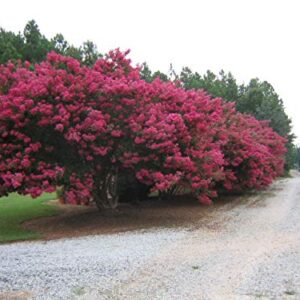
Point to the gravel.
(64, 268)
(249, 251)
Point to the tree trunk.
(107, 196)
(169, 193)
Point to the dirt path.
(249, 252)
(245, 251)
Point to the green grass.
(15, 209)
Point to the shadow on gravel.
(79, 221)
(154, 213)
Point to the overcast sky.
(250, 38)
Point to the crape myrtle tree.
(92, 130)
(253, 153)
(257, 98)
(64, 125)
(78, 127)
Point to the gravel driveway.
(250, 251)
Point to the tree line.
(31, 45)
(257, 98)
(100, 128)
(102, 131)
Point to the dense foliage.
(257, 98)
(297, 157)
(33, 46)
(86, 129)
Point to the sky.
(250, 38)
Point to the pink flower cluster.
(62, 124)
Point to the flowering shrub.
(254, 153)
(62, 124)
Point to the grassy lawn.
(16, 209)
